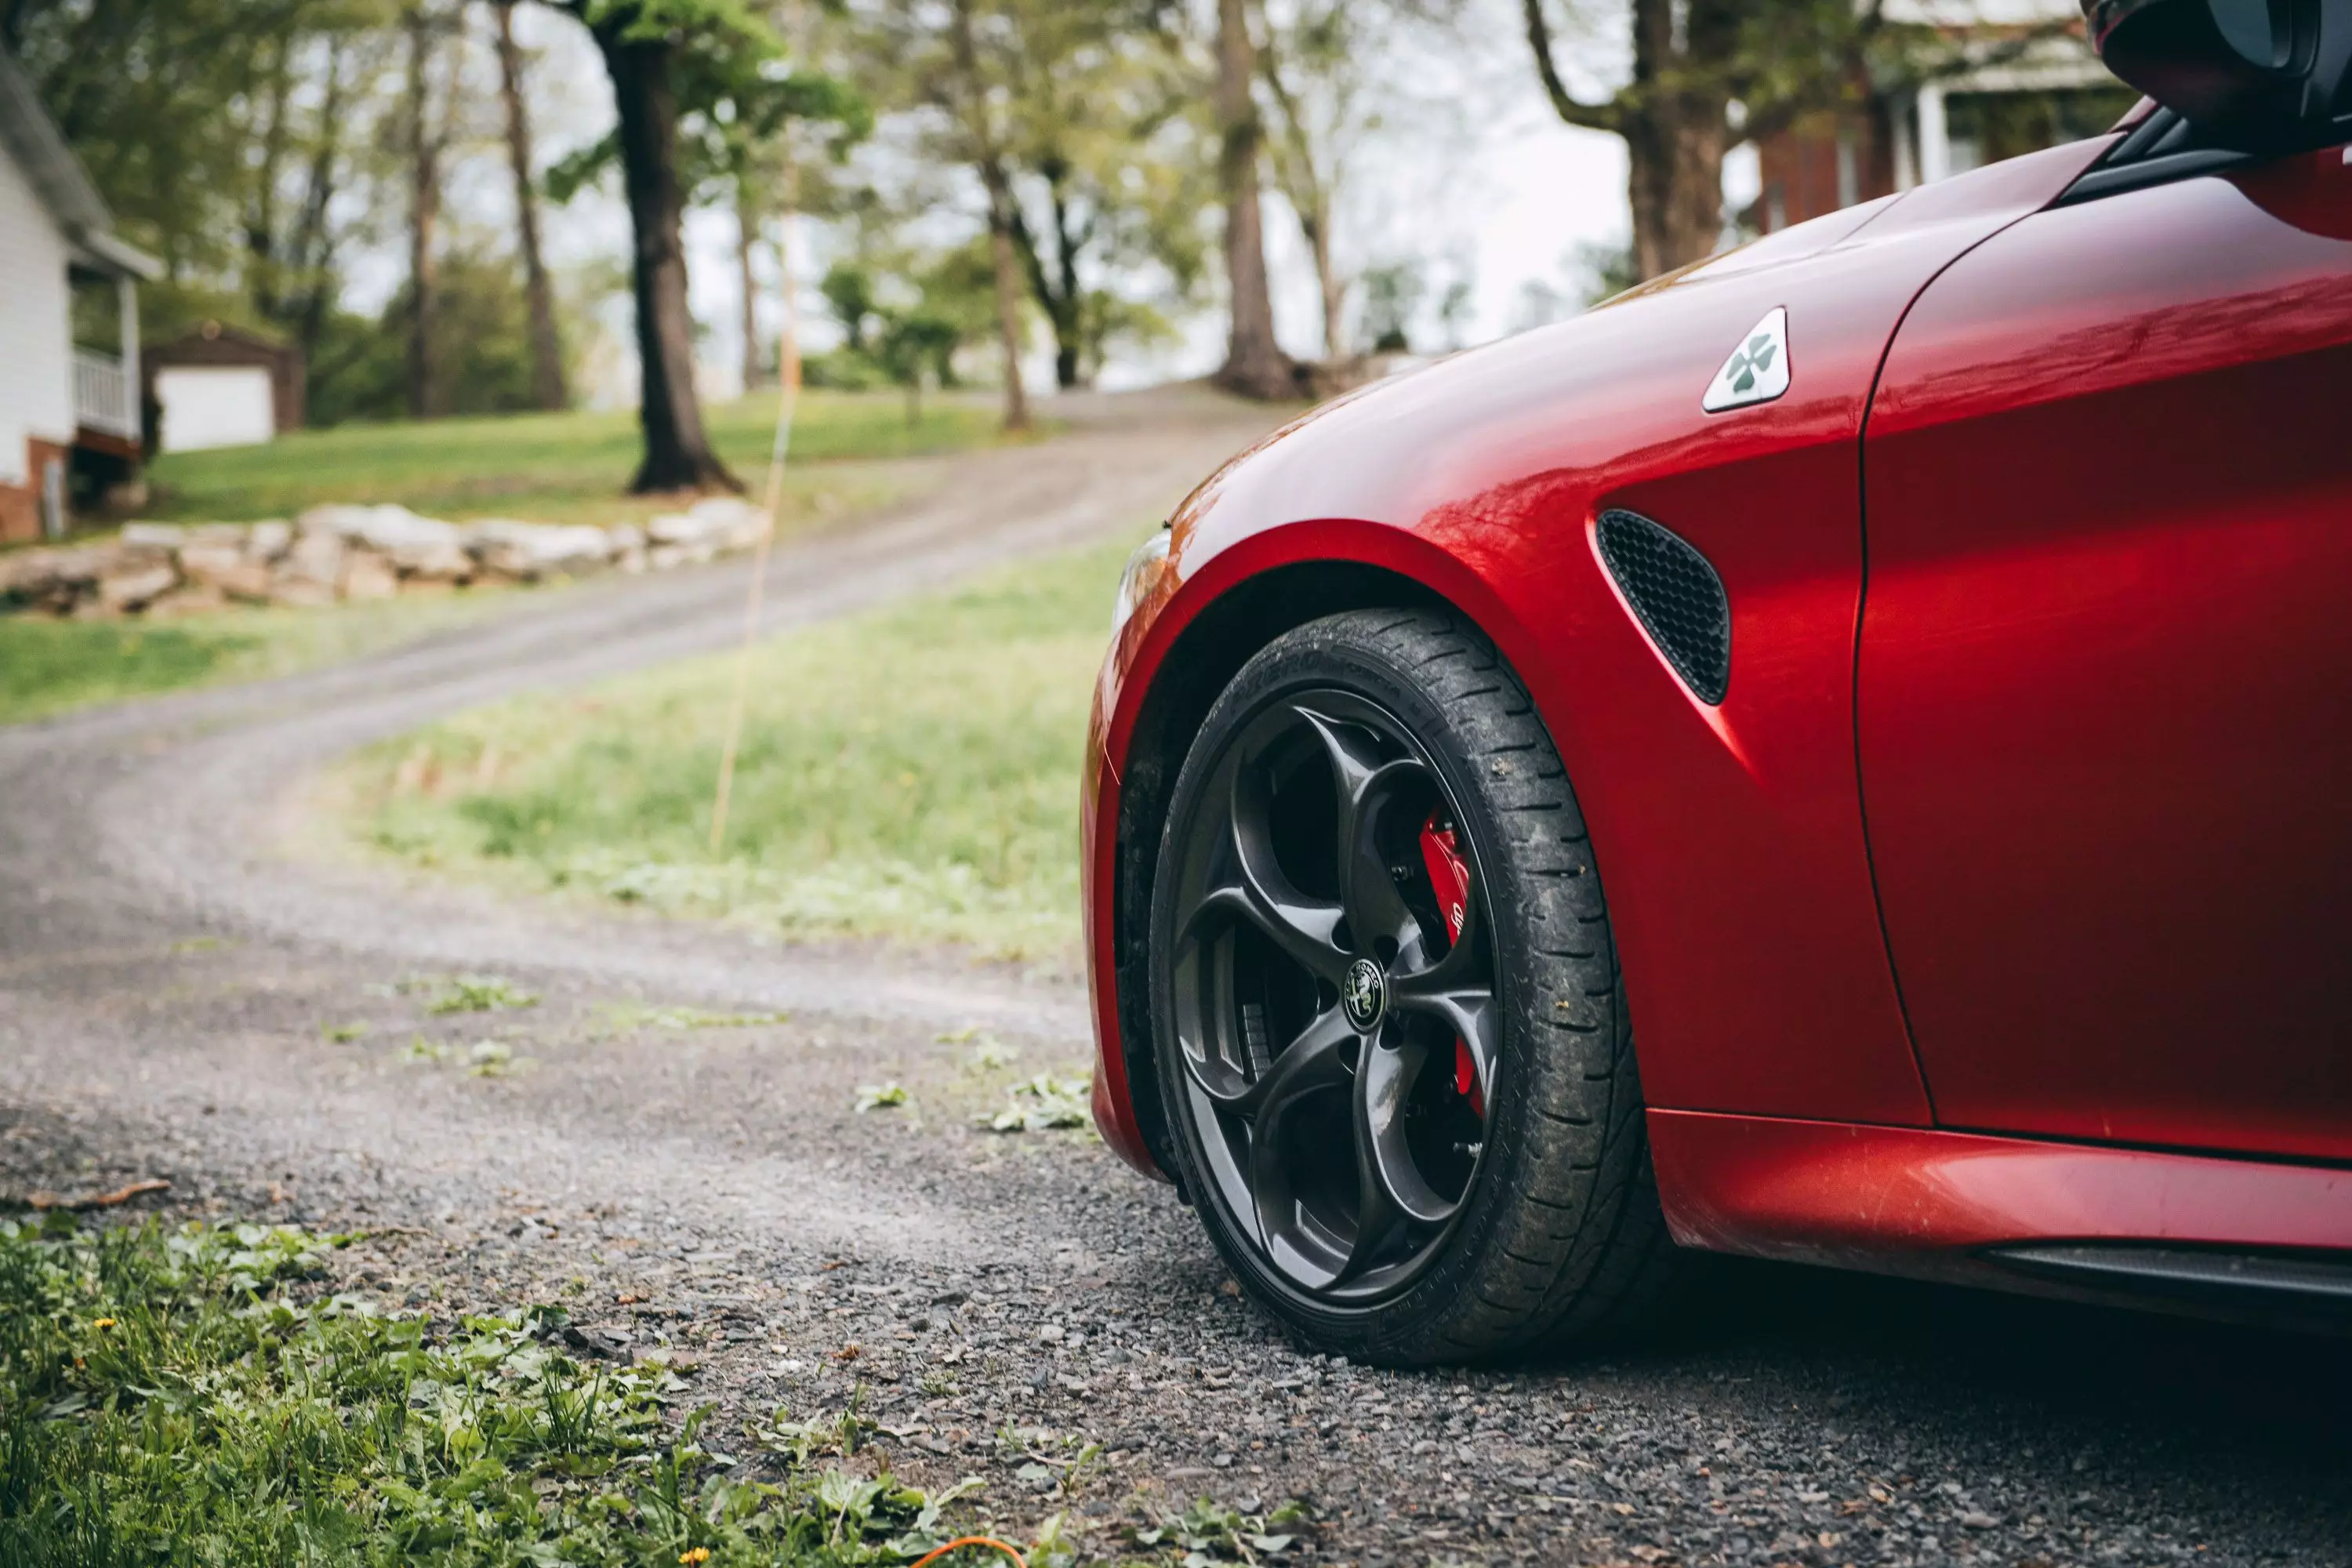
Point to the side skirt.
(2190, 1231)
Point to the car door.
(2105, 686)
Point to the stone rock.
(319, 556)
(269, 540)
(127, 588)
(416, 546)
(446, 563)
(301, 593)
(627, 543)
(710, 525)
(225, 567)
(310, 571)
(529, 552)
(153, 536)
(368, 575)
(188, 599)
(45, 576)
(383, 528)
(740, 522)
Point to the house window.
(1985, 126)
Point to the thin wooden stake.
(788, 399)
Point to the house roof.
(32, 138)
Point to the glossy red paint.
(1920, 1201)
(2085, 668)
(1713, 827)
(2105, 666)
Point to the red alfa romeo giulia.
(1844, 754)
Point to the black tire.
(1554, 1230)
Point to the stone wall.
(333, 554)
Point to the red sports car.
(1844, 754)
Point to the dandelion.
(696, 1555)
(103, 1323)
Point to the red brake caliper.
(1449, 874)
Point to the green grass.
(912, 773)
(560, 467)
(49, 667)
(196, 1396)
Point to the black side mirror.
(2260, 75)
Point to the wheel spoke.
(1253, 888)
(1307, 1063)
(1464, 1009)
(1313, 1062)
(1366, 782)
(1393, 1186)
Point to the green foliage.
(906, 773)
(51, 667)
(192, 1397)
(627, 1017)
(1043, 1103)
(158, 101)
(1209, 1532)
(905, 316)
(482, 353)
(1392, 297)
(549, 468)
(1088, 121)
(479, 994)
(736, 94)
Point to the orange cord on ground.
(965, 1541)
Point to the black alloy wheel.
(1344, 978)
(1320, 1029)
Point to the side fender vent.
(1677, 596)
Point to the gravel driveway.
(183, 995)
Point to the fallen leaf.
(114, 1199)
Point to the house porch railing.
(105, 396)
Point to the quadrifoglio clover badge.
(1758, 370)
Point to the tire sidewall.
(1413, 1326)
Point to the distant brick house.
(61, 405)
(2018, 84)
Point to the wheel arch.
(1228, 623)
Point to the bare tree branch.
(1571, 110)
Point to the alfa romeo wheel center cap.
(1364, 994)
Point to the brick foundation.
(20, 505)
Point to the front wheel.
(1391, 1035)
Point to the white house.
(56, 237)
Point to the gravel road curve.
(174, 979)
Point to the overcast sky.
(1479, 178)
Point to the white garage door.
(214, 405)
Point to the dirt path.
(171, 981)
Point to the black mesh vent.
(1678, 597)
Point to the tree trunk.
(677, 450)
(1069, 321)
(547, 390)
(1064, 309)
(1676, 179)
(1002, 216)
(1672, 117)
(423, 217)
(1328, 281)
(747, 237)
(1677, 134)
(261, 223)
(1254, 364)
(313, 246)
(1008, 305)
